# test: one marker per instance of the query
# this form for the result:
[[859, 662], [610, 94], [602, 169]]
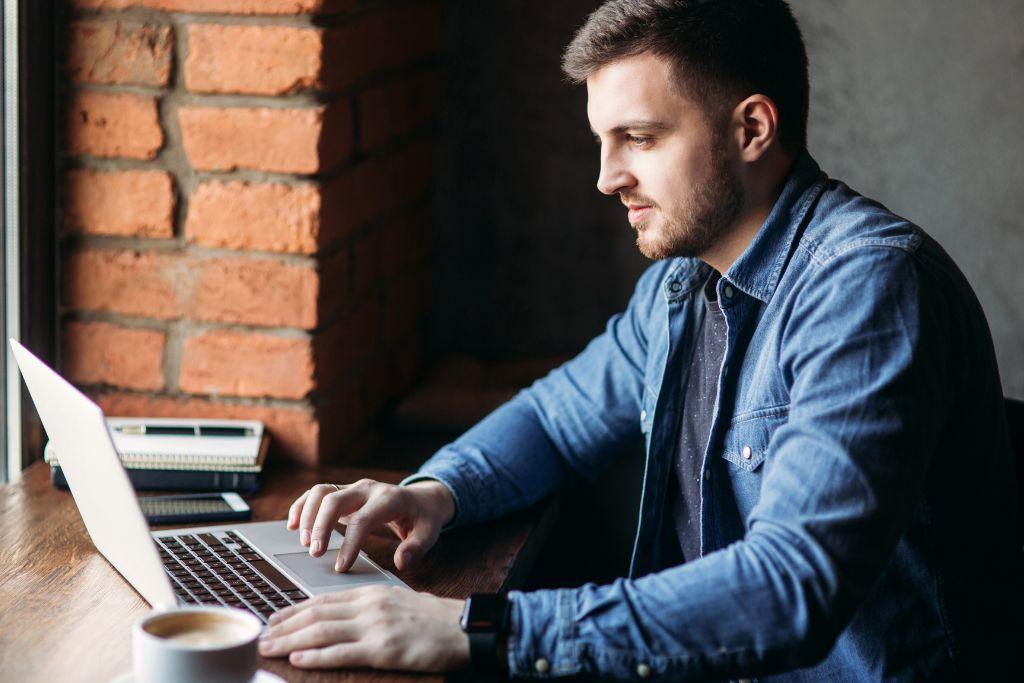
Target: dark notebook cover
[[180, 480]]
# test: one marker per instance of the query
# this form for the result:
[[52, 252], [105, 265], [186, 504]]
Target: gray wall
[[915, 103], [919, 104]]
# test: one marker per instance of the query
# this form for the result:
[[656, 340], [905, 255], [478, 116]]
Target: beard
[[712, 206]]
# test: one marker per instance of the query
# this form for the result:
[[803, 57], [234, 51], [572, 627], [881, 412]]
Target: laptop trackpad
[[317, 572]]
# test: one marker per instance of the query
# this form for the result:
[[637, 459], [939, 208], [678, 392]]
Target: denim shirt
[[858, 509]]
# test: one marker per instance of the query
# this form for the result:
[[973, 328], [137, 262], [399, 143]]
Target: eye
[[640, 141]]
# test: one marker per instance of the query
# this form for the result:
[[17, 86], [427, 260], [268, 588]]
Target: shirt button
[[541, 666], [675, 286], [643, 415], [728, 291], [747, 453], [643, 671]]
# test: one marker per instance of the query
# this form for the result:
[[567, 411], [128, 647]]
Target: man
[[828, 493]]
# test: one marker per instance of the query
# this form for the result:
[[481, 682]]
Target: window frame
[[29, 209]]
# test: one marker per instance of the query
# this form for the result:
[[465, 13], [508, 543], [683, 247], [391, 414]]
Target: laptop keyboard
[[222, 569]]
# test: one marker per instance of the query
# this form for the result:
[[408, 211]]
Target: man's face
[[661, 156]]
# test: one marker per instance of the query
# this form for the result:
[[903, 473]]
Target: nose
[[615, 176]]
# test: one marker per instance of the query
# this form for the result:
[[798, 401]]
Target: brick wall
[[246, 209]]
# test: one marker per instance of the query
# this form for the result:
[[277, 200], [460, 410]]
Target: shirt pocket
[[745, 449]]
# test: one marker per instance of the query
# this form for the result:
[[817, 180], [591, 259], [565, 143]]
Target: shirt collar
[[759, 267], [757, 270]]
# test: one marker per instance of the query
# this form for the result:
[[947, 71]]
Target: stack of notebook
[[184, 454]]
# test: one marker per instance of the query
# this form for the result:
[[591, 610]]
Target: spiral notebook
[[184, 454]]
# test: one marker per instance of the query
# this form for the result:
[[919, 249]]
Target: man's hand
[[416, 513], [382, 627]]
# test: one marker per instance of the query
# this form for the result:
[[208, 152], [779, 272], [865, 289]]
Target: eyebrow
[[655, 126]]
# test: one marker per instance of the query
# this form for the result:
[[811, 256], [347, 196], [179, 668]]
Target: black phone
[[196, 507]]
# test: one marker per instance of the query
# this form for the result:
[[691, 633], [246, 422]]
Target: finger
[[309, 508], [294, 510], [378, 510], [348, 655], [333, 506], [344, 596], [307, 617], [417, 543], [313, 611], [319, 634]]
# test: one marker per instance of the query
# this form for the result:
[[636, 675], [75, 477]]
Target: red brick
[[363, 446], [222, 362], [353, 52], [148, 284], [307, 218], [377, 384], [334, 285], [261, 60], [342, 416], [102, 353], [257, 292], [125, 203], [421, 234], [119, 52], [255, 216], [224, 6], [405, 304], [405, 242], [307, 140], [396, 108], [408, 362], [173, 285], [113, 125], [372, 189], [347, 344], [394, 238], [295, 429], [399, 313], [367, 259], [353, 198]]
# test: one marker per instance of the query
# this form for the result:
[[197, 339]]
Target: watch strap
[[485, 622], [483, 654]]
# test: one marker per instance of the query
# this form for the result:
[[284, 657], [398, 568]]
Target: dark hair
[[725, 50]]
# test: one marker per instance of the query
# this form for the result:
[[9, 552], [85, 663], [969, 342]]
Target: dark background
[[532, 259]]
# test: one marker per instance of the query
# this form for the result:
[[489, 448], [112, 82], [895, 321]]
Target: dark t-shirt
[[699, 396]]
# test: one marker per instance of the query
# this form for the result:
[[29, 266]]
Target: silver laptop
[[260, 567]]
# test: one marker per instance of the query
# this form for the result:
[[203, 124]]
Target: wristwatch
[[485, 621]]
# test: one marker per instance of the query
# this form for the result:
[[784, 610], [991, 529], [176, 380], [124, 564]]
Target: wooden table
[[66, 614]]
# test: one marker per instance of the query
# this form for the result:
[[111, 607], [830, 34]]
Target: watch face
[[485, 612]]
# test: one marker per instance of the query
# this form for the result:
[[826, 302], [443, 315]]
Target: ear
[[756, 122]]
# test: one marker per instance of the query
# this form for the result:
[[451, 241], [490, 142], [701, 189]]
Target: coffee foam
[[199, 629]]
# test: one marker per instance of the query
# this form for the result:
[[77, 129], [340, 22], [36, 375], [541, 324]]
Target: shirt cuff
[[418, 476], [541, 642], [466, 484]]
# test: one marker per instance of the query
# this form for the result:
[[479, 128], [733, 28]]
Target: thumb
[[416, 544]]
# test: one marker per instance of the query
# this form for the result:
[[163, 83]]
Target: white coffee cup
[[210, 644]]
